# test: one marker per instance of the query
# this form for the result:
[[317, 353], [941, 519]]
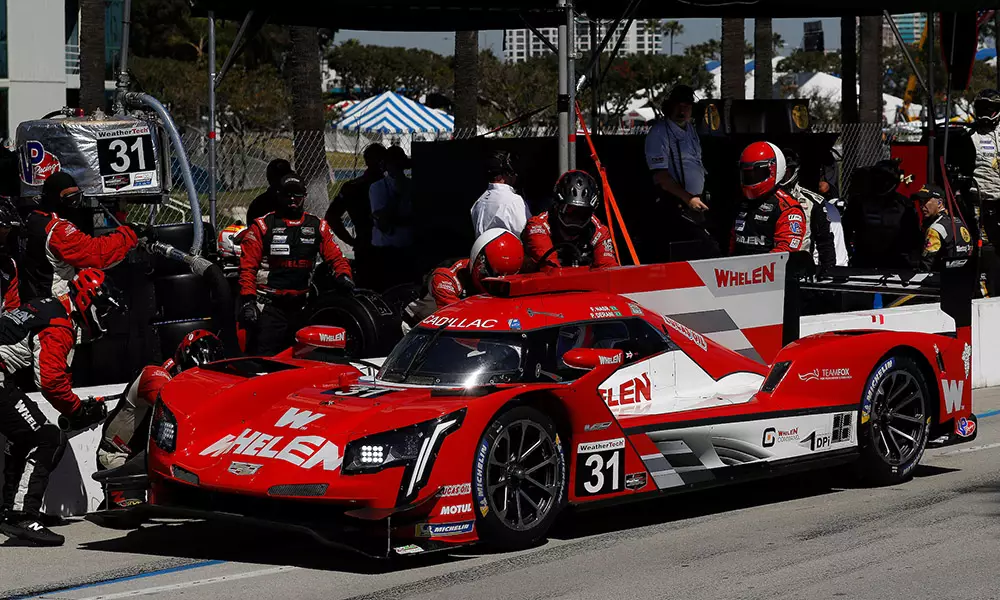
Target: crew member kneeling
[[570, 234], [947, 241], [496, 253], [279, 253], [41, 334], [769, 219]]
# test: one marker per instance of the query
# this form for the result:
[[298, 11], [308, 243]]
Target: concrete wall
[[36, 55]]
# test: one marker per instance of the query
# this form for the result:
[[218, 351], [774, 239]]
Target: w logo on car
[[952, 394]]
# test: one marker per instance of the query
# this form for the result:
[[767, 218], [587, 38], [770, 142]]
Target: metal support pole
[[595, 71], [905, 50], [211, 118], [118, 106], [931, 111], [562, 102], [571, 80], [947, 105]]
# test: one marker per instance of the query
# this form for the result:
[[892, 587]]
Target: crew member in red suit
[[769, 219], [496, 253], [9, 294], [56, 249], [279, 253], [40, 335], [570, 234]]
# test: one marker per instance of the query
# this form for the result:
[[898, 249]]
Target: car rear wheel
[[894, 423], [519, 479]]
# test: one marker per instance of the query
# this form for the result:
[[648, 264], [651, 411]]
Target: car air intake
[[298, 489], [775, 376], [184, 475]]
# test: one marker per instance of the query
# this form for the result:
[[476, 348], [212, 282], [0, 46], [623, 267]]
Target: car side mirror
[[322, 336], [591, 358]]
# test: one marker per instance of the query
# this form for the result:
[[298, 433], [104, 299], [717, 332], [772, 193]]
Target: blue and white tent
[[391, 113]]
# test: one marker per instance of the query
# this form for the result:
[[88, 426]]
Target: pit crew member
[[9, 293], [986, 140], [40, 335], [947, 240], [570, 234], [56, 249], [125, 430], [496, 253], [769, 219], [279, 253], [818, 239]]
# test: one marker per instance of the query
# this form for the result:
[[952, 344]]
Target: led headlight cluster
[[163, 428]]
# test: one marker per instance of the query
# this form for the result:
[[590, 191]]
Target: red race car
[[582, 387]]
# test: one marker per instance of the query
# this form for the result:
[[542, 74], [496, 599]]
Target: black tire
[[894, 421], [514, 506], [371, 325], [398, 296], [182, 297]]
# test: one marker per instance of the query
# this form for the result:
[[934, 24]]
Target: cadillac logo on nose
[[242, 468]]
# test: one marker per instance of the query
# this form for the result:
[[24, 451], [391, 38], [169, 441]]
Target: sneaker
[[31, 530]]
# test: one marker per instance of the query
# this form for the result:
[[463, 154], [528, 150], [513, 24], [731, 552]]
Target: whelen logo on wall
[[762, 274]]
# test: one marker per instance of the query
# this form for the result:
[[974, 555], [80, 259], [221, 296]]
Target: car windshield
[[432, 357]]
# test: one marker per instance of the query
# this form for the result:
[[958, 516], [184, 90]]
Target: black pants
[[34, 448], [279, 320]]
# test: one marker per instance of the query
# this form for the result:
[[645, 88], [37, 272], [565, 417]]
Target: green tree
[[466, 68], [672, 29], [800, 61], [764, 42], [509, 90], [92, 59], [733, 54], [377, 69]]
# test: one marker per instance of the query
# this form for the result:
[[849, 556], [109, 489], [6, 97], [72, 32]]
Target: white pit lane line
[[188, 584], [970, 449]]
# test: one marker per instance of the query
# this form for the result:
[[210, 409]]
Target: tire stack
[[183, 299]]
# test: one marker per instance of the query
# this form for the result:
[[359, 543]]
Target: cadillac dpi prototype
[[581, 387]]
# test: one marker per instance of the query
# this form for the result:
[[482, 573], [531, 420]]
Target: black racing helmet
[[9, 217], [791, 168], [987, 107], [60, 190], [197, 349], [577, 197]]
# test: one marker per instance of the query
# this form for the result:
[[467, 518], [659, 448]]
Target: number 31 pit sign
[[126, 159]]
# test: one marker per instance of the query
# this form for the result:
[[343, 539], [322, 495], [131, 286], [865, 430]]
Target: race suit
[[56, 249], [445, 285], [947, 243], [818, 239], [595, 246], [277, 263], [126, 430], [987, 176], [883, 230], [40, 335], [774, 223], [9, 294]]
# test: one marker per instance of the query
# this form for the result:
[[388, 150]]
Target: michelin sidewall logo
[[872, 387]]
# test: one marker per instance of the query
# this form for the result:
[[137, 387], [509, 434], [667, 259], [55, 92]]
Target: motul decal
[[952, 395], [634, 391], [762, 274], [306, 451]]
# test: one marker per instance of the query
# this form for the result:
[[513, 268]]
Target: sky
[[695, 32]]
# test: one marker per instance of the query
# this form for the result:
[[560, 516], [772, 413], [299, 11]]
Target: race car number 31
[[126, 154], [599, 467]]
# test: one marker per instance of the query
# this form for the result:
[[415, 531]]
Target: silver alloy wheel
[[522, 475], [899, 418]]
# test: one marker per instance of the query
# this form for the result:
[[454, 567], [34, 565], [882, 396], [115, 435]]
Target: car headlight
[[414, 448], [163, 428]]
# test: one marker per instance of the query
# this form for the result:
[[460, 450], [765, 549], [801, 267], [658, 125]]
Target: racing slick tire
[[181, 297], [518, 491], [371, 325], [894, 421]]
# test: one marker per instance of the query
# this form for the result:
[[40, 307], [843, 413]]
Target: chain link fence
[[328, 159]]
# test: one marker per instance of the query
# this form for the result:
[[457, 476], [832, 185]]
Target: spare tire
[[399, 296], [181, 236], [172, 332], [181, 297], [372, 326]]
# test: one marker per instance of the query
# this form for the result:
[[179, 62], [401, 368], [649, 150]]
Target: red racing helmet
[[93, 300], [496, 253], [198, 348], [762, 168]]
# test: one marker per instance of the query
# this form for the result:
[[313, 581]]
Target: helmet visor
[[203, 351], [575, 216], [756, 173], [986, 108]]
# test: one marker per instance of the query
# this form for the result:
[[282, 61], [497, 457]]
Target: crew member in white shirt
[[392, 214], [500, 206]]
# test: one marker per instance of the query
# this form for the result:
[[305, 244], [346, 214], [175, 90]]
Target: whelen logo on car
[[762, 274]]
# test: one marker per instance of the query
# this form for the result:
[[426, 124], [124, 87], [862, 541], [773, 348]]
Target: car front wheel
[[519, 478], [894, 423]]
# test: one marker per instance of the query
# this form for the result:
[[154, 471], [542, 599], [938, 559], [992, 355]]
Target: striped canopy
[[391, 113]]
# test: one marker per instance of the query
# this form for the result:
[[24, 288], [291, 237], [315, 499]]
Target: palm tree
[[672, 28], [871, 69], [733, 70], [849, 69], [307, 116], [763, 44], [92, 60], [466, 80]]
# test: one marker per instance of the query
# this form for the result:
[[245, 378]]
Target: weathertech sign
[[762, 274]]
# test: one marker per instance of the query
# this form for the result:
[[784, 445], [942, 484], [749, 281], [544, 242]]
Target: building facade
[[40, 64], [641, 38], [911, 28]]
